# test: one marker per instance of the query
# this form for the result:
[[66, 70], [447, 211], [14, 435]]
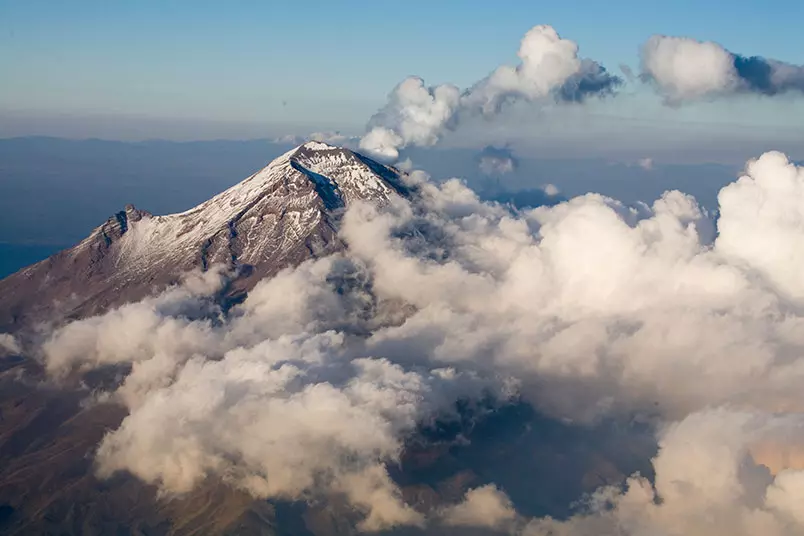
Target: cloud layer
[[588, 310], [273, 400]]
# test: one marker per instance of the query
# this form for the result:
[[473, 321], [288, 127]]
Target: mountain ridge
[[277, 217]]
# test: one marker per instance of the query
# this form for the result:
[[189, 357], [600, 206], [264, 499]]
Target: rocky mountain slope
[[283, 214]]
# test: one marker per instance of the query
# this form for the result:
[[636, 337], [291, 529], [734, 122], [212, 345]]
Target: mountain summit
[[283, 214]]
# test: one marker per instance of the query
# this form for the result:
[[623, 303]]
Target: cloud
[[551, 190], [485, 506], [179, 320], [549, 69], [706, 484], [645, 163], [415, 114], [686, 69], [588, 310], [572, 299], [764, 221], [266, 423], [494, 161], [405, 165], [273, 400], [628, 72], [333, 138], [9, 344]]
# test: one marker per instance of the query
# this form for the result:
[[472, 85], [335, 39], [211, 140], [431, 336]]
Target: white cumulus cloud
[[9, 344], [485, 506], [549, 68], [686, 69]]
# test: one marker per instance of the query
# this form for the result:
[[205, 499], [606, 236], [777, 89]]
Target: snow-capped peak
[[285, 213]]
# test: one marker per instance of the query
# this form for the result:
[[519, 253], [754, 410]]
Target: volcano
[[278, 217]]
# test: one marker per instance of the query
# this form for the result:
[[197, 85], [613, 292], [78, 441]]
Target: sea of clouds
[[587, 310]]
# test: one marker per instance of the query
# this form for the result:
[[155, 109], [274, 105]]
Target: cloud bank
[[587, 310], [273, 400], [549, 69], [687, 69]]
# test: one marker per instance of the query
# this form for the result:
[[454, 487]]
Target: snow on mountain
[[283, 214]]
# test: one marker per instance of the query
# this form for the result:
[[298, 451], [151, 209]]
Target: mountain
[[283, 214], [280, 216]]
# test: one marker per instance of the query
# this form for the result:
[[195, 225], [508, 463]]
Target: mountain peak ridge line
[[277, 217]]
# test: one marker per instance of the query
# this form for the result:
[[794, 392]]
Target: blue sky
[[317, 65]]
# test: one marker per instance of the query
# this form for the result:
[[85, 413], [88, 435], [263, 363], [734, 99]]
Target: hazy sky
[[242, 69]]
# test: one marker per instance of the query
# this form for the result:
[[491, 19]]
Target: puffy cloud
[[707, 484], [405, 165], [575, 297], [154, 329], [382, 143], [415, 114], [551, 190], [549, 68], [9, 344], [785, 494], [762, 220], [269, 423], [496, 161], [645, 163], [683, 69], [274, 398], [485, 506], [686, 68], [588, 309]]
